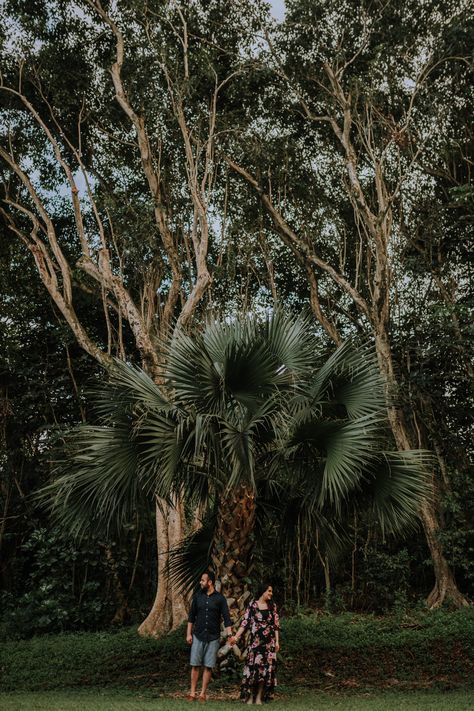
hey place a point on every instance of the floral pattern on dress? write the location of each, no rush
(260, 665)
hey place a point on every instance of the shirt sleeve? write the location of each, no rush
(246, 617)
(193, 610)
(276, 618)
(225, 613)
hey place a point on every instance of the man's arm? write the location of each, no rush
(191, 620)
(226, 616)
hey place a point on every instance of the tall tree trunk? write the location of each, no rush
(445, 588)
(169, 607)
(232, 547)
(377, 312)
(176, 532)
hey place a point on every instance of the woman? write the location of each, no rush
(262, 622)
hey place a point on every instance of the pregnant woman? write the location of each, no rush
(261, 621)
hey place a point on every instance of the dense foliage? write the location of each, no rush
(231, 163)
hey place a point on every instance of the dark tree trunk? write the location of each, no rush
(232, 547)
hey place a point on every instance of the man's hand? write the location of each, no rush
(189, 638)
(277, 647)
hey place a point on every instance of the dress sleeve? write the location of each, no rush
(276, 618)
(246, 618)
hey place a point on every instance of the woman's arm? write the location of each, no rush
(243, 625)
(233, 640)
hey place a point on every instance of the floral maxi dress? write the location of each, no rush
(260, 665)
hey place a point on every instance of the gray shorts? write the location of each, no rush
(204, 654)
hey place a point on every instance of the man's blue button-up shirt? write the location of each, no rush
(206, 613)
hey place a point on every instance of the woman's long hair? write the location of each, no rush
(264, 585)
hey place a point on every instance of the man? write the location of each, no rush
(204, 622)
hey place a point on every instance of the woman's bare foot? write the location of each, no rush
(250, 700)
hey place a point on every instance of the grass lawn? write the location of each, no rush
(125, 701)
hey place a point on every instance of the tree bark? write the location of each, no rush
(160, 617)
(169, 607)
(176, 533)
(232, 547)
(445, 588)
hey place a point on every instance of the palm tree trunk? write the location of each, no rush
(232, 547)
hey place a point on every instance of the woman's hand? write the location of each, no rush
(277, 646)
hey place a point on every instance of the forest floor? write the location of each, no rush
(126, 701)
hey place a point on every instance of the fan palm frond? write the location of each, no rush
(350, 448)
(245, 437)
(244, 401)
(191, 557)
(291, 340)
(193, 375)
(350, 377)
(127, 387)
(333, 455)
(98, 485)
(399, 484)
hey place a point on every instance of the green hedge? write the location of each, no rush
(88, 659)
(351, 631)
(317, 650)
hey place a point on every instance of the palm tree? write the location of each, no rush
(244, 402)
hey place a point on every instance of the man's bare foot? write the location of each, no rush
(250, 700)
(258, 702)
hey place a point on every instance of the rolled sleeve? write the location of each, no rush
(192, 611)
